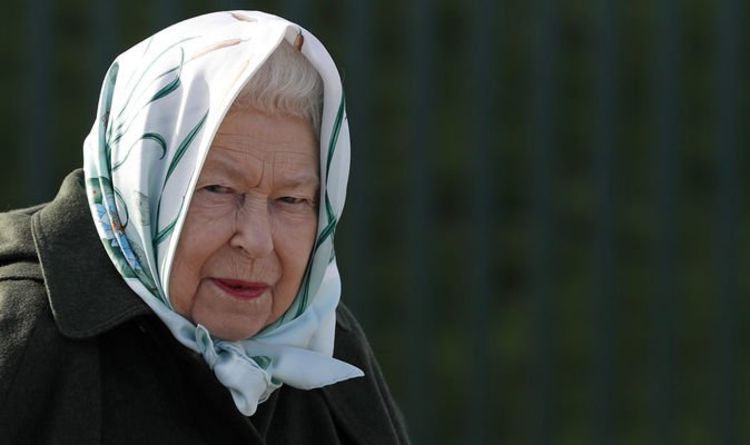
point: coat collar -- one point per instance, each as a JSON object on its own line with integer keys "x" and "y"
{"x": 86, "y": 293}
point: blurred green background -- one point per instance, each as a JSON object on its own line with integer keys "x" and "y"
{"x": 546, "y": 235}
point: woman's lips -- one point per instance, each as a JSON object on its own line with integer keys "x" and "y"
{"x": 244, "y": 290}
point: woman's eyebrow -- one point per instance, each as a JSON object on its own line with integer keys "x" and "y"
{"x": 226, "y": 168}
{"x": 297, "y": 180}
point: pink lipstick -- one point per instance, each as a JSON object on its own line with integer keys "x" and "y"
{"x": 241, "y": 289}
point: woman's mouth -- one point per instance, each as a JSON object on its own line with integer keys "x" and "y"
{"x": 241, "y": 289}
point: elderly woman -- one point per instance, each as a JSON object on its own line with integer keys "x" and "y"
{"x": 182, "y": 287}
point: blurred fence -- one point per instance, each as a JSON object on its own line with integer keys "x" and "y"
{"x": 545, "y": 235}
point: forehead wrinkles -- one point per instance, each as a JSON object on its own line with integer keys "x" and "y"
{"x": 262, "y": 149}
{"x": 292, "y": 168}
{"x": 241, "y": 146}
{"x": 279, "y": 157}
{"x": 282, "y": 166}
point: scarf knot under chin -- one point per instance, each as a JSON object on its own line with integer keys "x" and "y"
{"x": 247, "y": 380}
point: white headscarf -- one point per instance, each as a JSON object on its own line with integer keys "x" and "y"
{"x": 161, "y": 104}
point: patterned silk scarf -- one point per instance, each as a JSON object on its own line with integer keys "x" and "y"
{"x": 160, "y": 106}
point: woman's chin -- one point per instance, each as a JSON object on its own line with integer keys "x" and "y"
{"x": 230, "y": 318}
{"x": 232, "y": 330}
{"x": 230, "y": 325}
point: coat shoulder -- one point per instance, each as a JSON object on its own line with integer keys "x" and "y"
{"x": 40, "y": 369}
{"x": 33, "y": 353}
{"x": 18, "y": 257}
{"x": 23, "y": 299}
{"x": 25, "y": 319}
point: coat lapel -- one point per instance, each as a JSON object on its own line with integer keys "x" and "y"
{"x": 86, "y": 294}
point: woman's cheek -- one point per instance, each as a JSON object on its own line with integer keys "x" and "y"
{"x": 182, "y": 286}
{"x": 296, "y": 231}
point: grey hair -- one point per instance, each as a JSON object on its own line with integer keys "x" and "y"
{"x": 286, "y": 84}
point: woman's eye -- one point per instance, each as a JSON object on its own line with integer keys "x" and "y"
{"x": 217, "y": 189}
{"x": 291, "y": 200}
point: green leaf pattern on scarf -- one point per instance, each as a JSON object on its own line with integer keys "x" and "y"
{"x": 111, "y": 208}
{"x": 128, "y": 256}
{"x": 156, "y": 137}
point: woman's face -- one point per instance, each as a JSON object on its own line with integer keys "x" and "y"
{"x": 250, "y": 227}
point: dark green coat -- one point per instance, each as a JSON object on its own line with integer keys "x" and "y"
{"x": 84, "y": 361}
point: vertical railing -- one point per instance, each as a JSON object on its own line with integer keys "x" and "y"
{"x": 38, "y": 103}
{"x": 299, "y": 11}
{"x": 106, "y": 25}
{"x": 235, "y": 4}
{"x": 605, "y": 135}
{"x": 418, "y": 222}
{"x": 482, "y": 76}
{"x": 728, "y": 91}
{"x": 167, "y": 13}
{"x": 358, "y": 84}
{"x": 543, "y": 145}
{"x": 663, "y": 311}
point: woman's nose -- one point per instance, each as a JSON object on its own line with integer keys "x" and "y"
{"x": 253, "y": 229}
